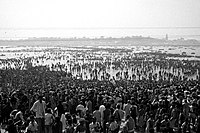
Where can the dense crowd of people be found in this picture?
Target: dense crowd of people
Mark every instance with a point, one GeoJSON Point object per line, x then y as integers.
{"type": "Point", "coordinates": [147, 93]}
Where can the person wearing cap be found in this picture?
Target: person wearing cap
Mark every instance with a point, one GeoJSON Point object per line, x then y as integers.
{"type": "Point", "coordinates": [39, 108]}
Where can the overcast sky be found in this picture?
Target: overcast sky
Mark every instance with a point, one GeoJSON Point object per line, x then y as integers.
{"type": "Point", "coordinates": [99, 13]}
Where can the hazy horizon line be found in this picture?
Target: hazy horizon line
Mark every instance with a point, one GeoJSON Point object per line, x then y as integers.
{"type": "Point", "coordinates": [91, 28]}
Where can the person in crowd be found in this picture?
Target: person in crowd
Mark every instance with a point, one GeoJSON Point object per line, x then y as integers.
{"type": "Point", "coordinates": [49, 118]}
{"type": "Point", "coordinates": [130, 124]}
{"type": "Point", "coordinates": [39, 108]}
{"type": "Point", "coordinates": [134, 112]}
{"type": "Point", "coordinates": [97, 114]}
{"type": "Point", "coordinates": [81, 109]}
{"type": "Point", "coordinates": [70, 127]}
{"type": "Point", "coordinates": [102, 108]}
{"type": "Point", "coordinates": [60, 108]}
{"type": "Point", "coordinates": [32, 126]}
{"type": "Point", "coordinates": [11, 128]}
{"type": "Point", "coordinates": [89, 105]}
{"type": "Point", "coordinates": [113, 127]}
{"type": "Point", "coordinates": [127, 108]}
{"type": "Point", "coordinates": [57, 126]}
{"type": "Point", "coordinates": [94, 126]}
{"type": "Point", "coordinates": [165, 125]}
{"type": "Point", "coordinates": [118, 114]}
{"type": "Point", "coordinates": [88, 119]}
{"type": "Point", "coordinates": [81, 128]}
{"type": "Point", "coordinates": [150, 125]}
{"type": "Point", "coordinates": [106, 117]}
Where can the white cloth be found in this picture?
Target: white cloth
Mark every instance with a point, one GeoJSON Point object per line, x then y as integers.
{"type": "Point", "coordinates": [80, 107]}
{"type": "Point", "coordinates": [113, 126]}
{"type": "Point", "coordinates": [127, 108]}
{"type": "Point", "coordinates": [39, 108]}
{"type": "Point", "coordinates": [101, 109]}
{"type": "Point", "coordinates": [63, 120]}
{"type": "Point", "coordinates": [48, 119]}
{"type": "Point", "coordinates": [32, 126]}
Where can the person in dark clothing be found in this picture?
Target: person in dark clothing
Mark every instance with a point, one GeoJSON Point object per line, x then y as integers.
{"type": "Point", "coordinates": [134, 112]}
{"type": "Point", "coordinates": [197, 125]}
{"type": "Point", "coordinates": [88, 119]}
{"type": "Point", "coordinates": [106, 117]}
{"type": "Point", "coordinates": [158, 123]}
{"type": "Point", "coordinates": [81, 128]}
{"type": "Point", "coordinates": [14, 100]}
{"type": "Point", "coordinates": [165, 125]}
{"type": "Point", "coordinates": [74, 120]}
{"type": "Point", "coordinates": [11, 128]}
{"type": "Point", "coordinates": [57, 126]}
{"type": "Point", "coordinates": [6, 114]}
{"type": "Point", "coordinates": [60, 109]}
{"type": "Point", "coordinates": [70, 127]}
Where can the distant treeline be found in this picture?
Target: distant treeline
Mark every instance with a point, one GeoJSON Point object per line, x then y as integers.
{"type": "Point", "coordinates": [102, 41]}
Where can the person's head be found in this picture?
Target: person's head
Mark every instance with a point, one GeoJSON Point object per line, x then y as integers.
{"type": "Point", "coordinates": [166, 117]}
{"type": "Point", "coordinates": [74, 116]}
{"type": "Point", "coordinates": [125, 129]}
{"type": "Point", "coordinates": [112, 118]}
{"type": "Point", "coordinates": [127, 117]}
{"type": "Point", "coordinates": [94, 119]}
{"type": "Point", "coordinates": [96, 107]}
{"type": "Point", "coordinates": [32, 118]}
{"type": "Point", "coordinates": [40, 98]}
{"type": "Point", "coordinates": [107, 106]}
{"type": "Point", "coordinates": [69, 122]}
{"type": "Point", "coordinates": [81, 102]}
{"type": "Point", "coordinates": [48, 110]}
{"type": "Point", "coordinates": [112, 101]}
{"type": "Point", "coordinates": [60, 102]}
{"type": "Point", "coordinates": [186, 120]}
{"type": "Point", "coordinates": [82, 121]}
{"type": "Point", "coordinates": [57, 119]}
{"type": "Point", "coordinates": [10, 121]}
{"type": "Point", "coordinates": [118, 106]}
{"type": "Point", "coordinates": [87, 112]}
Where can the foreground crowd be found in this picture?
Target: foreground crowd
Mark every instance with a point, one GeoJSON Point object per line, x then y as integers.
{"type": "Point", "coordinates": [71, 105]}
{"type": "Point", "coordinates": [37, 100]}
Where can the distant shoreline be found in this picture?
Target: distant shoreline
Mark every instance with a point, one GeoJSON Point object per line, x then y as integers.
{"type": "Point", "coordinates": [50, 28]}
{"type": "Point", "coordinates": [102, 41]}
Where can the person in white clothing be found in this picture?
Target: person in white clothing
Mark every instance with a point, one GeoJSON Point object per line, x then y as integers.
{"type": "Point", "coordinates": [39, 108]}
{"type": "Point", "coordinates": [33, 126]}
{"type": "Point", "coordinates": [81, 109]}
{"type": "Point", "coordinates": [101, 109]}
{"type": "Point", "coordinates": [48, 121]}
{"type": "Point", "coordinates": [127, 108]}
